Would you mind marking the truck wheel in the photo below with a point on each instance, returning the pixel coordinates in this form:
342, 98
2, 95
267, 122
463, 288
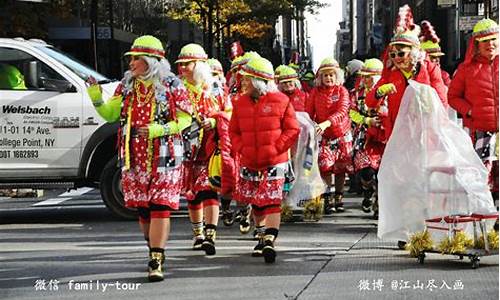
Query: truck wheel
111, 191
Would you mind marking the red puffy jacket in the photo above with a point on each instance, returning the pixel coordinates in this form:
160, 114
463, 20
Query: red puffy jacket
330, 104
263, 131
475, 88
298, 99
427, 73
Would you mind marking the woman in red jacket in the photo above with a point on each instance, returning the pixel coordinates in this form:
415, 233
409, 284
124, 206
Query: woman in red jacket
405, 61
474, 94
263, 127
289, 84
328, 106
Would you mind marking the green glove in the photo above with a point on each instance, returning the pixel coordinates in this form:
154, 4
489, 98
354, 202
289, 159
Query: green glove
157, 130
212, 122
386, 89
95, 94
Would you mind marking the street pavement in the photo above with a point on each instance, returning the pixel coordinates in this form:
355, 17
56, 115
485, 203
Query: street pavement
71, 250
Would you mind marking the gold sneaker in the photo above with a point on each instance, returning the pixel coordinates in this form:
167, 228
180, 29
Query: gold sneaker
156, 266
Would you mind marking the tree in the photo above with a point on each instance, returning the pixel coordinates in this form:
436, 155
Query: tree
245, 18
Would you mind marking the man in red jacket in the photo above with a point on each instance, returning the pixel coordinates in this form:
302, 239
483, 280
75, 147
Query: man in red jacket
263, 127
474, 94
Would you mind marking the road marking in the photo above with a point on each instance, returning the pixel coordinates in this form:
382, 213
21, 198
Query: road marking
77, 192
51, 201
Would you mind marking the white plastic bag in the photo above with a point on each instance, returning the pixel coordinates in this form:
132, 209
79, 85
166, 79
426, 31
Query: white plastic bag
308, 183
429, 168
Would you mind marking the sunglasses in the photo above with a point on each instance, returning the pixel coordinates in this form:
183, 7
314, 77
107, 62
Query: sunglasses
398, 54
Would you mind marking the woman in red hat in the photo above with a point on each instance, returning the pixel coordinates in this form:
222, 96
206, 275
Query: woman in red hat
153, 108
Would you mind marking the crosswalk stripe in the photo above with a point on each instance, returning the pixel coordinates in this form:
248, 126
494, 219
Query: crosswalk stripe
77, 192
51, 201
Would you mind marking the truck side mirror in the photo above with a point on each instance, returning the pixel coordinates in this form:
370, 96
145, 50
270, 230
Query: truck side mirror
33, 74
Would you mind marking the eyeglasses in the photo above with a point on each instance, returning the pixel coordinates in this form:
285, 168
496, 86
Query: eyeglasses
398, 53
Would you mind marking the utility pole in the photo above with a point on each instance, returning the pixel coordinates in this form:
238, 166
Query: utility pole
93, 30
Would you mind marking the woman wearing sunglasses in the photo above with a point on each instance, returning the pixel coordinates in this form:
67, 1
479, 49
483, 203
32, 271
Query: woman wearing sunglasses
474, 94
404, 61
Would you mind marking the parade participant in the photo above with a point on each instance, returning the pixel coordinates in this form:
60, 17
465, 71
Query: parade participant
244, 214
228, 164
352, 68
153, 108
278, 70
474, 94
289, 84
430, 44
263, 127
203, 203
328, 106
218, 73
368, 135
405, 61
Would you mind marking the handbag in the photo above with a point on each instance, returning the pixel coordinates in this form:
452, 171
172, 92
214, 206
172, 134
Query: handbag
215, 169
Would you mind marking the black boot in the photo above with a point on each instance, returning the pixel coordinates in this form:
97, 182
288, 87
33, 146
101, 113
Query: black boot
198, 237
208, 244
329, 203
245, 224
339, 204
366, 204
268, 250
257, 250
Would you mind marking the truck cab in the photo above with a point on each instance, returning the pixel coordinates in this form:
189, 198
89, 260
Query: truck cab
50, 133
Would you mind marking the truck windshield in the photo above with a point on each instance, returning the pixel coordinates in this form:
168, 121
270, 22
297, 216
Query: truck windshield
82, 70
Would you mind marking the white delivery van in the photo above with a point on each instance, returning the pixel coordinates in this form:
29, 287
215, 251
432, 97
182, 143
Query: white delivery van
50, 134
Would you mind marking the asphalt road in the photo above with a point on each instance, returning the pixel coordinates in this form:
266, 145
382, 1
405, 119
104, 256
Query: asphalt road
75, 249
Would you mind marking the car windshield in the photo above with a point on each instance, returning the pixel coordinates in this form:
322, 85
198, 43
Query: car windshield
82, 70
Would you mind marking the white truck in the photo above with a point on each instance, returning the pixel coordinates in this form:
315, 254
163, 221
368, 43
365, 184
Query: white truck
50, 134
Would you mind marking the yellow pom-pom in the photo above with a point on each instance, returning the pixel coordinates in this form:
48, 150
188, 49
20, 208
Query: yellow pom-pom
313, 209
492, 241
458, 244
419, 242
286, 212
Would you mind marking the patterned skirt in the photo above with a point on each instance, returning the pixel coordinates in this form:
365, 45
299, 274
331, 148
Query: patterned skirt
335, 155
195, 179
261, 188
141, 188
369, 156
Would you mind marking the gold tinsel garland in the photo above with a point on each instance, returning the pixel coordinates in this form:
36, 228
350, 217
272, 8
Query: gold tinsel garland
492, 241
419, 242
458, 244
286, 213
313, 209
